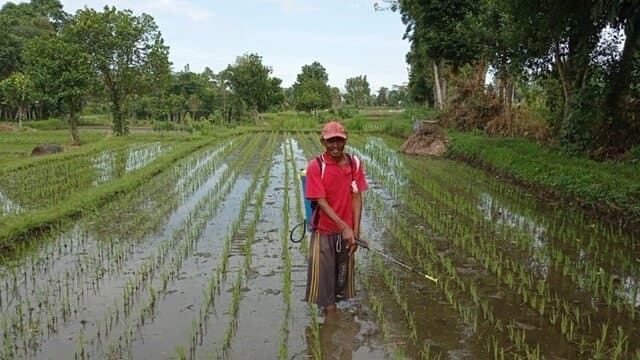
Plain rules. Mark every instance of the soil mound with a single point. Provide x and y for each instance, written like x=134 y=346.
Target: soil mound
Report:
x=428 y=139
x=47 y=149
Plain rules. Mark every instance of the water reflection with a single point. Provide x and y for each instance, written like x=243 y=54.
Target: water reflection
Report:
x=337 y=337
x=8 y=206
x=111 y=164
x=501 y=215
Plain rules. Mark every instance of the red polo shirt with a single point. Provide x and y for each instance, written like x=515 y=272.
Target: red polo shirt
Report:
x=335 y=187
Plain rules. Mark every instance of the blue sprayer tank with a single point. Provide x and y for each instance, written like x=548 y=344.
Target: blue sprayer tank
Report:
x=307 y=203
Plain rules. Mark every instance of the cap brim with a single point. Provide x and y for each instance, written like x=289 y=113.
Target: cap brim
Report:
x=332 y=135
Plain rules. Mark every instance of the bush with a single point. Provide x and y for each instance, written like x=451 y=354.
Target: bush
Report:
x=163 y=126
x=342 y=112
x=202 y=126
x=356 y=124
x=398 y=128
x=633 y=155
x=49 y=124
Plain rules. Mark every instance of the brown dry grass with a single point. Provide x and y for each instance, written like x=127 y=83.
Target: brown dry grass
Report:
x=6 y=127
x=519 y=123
x=474 y=110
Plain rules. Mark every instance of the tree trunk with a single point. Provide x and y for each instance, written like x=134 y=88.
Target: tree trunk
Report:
x=562 y=73
x=614 y=131
x=73 y=120
x=438 y=89
x=119 y=125
x=480 y=74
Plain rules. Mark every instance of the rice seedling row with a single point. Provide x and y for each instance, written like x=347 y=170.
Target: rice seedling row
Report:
x=470 y=313
x=521 y=271
x=466 y=313
x=287 y=150
x=179 y=250
x=67 y=276
x=239 y=228
x=54 y=181
x=44 y=259
x=518 y=273
x=182 y=253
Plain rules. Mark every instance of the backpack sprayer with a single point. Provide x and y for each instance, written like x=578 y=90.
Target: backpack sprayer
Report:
x=307 y=225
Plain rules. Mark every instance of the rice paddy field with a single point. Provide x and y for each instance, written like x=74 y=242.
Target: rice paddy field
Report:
x=179 y=248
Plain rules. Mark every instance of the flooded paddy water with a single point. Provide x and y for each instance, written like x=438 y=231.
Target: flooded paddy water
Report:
x=198 y=263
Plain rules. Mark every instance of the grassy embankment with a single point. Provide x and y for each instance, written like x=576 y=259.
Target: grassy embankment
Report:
x=612 y=188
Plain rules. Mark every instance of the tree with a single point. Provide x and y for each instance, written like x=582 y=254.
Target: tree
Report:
x=311 y=90
x=336 y=97
x=126 y=51
x=358 y=91
x=17 y=92
x=616 y=129
x=445 y=35
x=61 y=72
x=398 y=96
x=275 y=97
x=382 y=97
x=250 y=80
x=21 y=23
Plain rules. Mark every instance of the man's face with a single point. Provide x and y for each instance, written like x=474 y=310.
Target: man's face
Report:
x=335 y=146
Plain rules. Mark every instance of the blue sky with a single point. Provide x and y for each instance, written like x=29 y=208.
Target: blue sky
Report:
x=347 y=37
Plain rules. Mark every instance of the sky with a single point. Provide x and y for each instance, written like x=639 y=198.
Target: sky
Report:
x=347 y=37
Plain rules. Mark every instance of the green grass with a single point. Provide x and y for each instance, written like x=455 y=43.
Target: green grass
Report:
x=598 y=184
x=17 y=145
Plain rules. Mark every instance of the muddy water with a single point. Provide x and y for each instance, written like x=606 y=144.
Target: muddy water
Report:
x=198 y=264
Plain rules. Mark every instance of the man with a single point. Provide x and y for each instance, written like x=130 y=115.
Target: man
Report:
x=335 y=182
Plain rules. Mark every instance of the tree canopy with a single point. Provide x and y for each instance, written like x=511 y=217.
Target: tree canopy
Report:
x=311 y=90
x=126 y=51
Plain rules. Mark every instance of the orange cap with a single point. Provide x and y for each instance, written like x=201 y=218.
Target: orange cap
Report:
x=333 y=129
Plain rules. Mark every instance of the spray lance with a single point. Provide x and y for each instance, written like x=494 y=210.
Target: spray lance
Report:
x=306 y=225
x=365 y=245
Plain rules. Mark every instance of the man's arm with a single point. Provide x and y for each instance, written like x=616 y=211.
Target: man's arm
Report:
x=347 y=232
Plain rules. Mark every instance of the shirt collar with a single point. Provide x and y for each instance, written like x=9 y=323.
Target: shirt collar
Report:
x=327 y=159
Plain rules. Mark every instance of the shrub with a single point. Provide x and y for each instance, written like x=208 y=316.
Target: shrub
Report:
x=49 y=124
x=163 y=126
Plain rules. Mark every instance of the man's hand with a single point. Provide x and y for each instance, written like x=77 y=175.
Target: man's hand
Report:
x=352 y=246
x=350 y=237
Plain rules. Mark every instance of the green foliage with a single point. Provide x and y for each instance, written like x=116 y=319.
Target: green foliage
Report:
x=397 y=128
x=358 y=91
x=250 y=80
x=48 y=124
x=62 y=74
x=576 y=133
x=163 y=126
x=311 y=91
x=204 y=127
x=126 y=51
x=593 y=183
x=633 y=155
x=18 y=226
x=17 y=91
x=21 y=23
x=342 y=112
x=357 y=124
